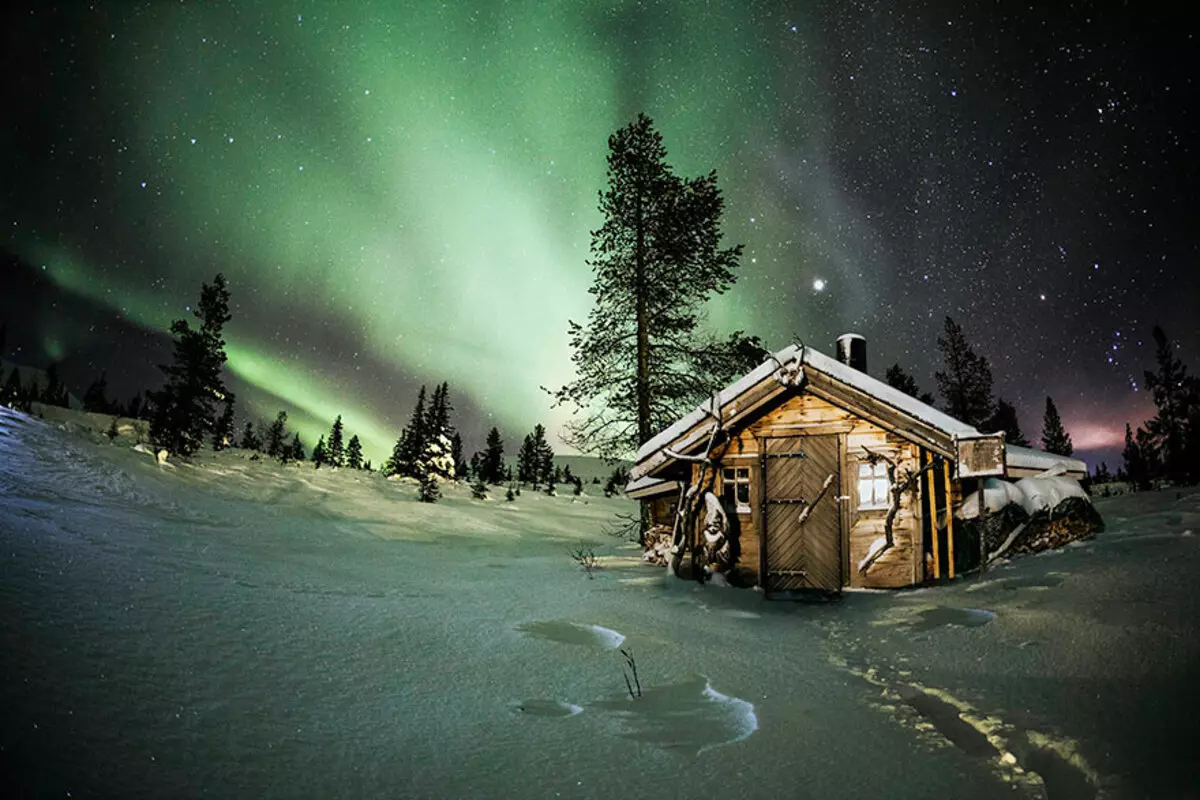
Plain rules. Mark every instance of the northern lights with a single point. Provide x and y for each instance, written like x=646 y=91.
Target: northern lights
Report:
x=402 y=193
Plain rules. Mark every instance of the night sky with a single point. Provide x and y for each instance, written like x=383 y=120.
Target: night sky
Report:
x=402 y=192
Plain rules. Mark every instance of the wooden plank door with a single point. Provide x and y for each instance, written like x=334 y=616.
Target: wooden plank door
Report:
x=802 y=537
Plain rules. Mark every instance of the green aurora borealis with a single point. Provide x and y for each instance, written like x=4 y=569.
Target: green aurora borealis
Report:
x=402 y=192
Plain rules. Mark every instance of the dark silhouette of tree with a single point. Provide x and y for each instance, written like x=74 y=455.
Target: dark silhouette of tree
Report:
x=3 y=338
x=12 y=395
x=456 y=455
x=1055 y=438
x=183 y=408
x=319 y=455
x=276 y=438
x=134 y=409
x=354 y=453
x=492 y=463
x=527 y=461
x=335 y=445
x=1136 y=469
x=479 y=489
x=223 y=431
x=1005 y=419
x=95 y=397
x=897 y=378
x=250 y=440
x=55 y=393
x=966 y=383
x=297 y=448
x=411 y=443
x=1177 y=400
x=641 y=361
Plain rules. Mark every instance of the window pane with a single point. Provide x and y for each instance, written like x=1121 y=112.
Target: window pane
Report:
x=743 y=473
x=728 y=474
x=881 y=490
x=743 y=494
x=864 y=470
x=864 y=492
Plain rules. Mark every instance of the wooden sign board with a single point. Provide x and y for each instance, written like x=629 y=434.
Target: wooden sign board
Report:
x=981 y=456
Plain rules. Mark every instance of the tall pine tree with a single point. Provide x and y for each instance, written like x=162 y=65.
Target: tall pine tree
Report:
x=1177 y=400
x=354 y=454
x=897 y=378
x=319 y=454
x=1055 y=438
x=250 y=440
x=96 y=396
x=1005 y=419
x=297 y=448
x=966 y=383
x=335 y=446
x=492 y=464
x=183 y=408
x=642 y=360
x=277 y=435
x=223 y=431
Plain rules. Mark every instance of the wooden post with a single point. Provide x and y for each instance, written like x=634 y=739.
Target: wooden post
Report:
x=982 y=532
x=933 y=521
x=949 y=516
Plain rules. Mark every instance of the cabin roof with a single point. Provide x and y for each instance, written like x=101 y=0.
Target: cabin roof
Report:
x=682 y=433
x=1028 y=461
x=646 y=487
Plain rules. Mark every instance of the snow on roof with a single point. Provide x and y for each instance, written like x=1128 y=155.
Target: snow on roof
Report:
x=1028 y=458
x=829 y=366
x=647 y=486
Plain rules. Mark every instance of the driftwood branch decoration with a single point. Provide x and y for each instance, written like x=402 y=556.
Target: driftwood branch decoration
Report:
x=808 y=509
x=898 y=488
x=693 y=496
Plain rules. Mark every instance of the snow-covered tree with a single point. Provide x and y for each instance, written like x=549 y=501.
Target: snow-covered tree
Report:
x=223 y=431
x=354 y=454
x=643 y=360
x=1055 y=438
x=966 y=383
x=335 y=446
x=183 y=408
x=433 y=462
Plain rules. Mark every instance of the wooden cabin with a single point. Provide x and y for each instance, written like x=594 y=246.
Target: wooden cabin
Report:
x=807 y=453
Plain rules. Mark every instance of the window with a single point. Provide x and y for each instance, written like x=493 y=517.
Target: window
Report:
x=736 y=489
x=873 y=488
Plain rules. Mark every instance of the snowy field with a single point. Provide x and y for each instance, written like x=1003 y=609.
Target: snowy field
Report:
x=239 y=629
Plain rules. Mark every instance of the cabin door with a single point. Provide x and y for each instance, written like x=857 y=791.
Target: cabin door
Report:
x=802 y=537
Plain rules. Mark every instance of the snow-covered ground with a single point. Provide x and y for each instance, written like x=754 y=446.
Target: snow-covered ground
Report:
x=237 y=628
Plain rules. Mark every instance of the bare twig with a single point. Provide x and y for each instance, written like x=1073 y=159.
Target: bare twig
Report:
x=636 y=684
x=586 y=558
x=808 y=509
x=897 y=489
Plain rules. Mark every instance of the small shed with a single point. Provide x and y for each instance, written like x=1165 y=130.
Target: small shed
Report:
x=828 y=477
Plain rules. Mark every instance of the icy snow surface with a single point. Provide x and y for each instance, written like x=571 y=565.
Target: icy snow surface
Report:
x=240 y=629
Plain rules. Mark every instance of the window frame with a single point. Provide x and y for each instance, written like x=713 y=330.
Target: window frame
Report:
x=873 y=475
x=740 y=477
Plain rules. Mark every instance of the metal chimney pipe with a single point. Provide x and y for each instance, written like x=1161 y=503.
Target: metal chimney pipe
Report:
x=852 y=351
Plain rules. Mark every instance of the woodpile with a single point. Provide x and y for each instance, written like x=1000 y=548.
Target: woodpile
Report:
x=658 y=545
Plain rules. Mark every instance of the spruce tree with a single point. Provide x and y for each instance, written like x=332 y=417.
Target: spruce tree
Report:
x=897 y=378
x=1005 y=419
x=183 y=408
x=223 y=431
x=276 y=437
x=95 y=397
x=134 y=409
x=1055 y=438
x=413 y=439
x=335 y=447
x=250 y=440
x=642 y=360
x=479 y=489
x=492 y=463
x=456 y=455
x=509 y=495
x=527 y=463
x=1135 y=464
x=55 y=393
x=966 y=384
x=1177 y=400
x=395 y=463
x=543 y=456
x=354 y=454
x=427 y=471
x=319 y=455
x=297 y=448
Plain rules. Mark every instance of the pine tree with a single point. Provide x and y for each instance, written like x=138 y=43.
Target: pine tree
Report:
x=134 y=409
x=250 y=440
x=277 y=435
x=297 y=448
x=183 y=408
x=354 y=454
x=55 y=393
x=427 y=468
x=578 y=490
x=1177 y=400
x=1135 y=464
x=1055 y=438
x=95 y=399
x=509 y=495
x=413 y=440
x=456 y=455
x=567 y=477
x=543 y=456
x=1005 y=419
x=897 y=378
x=527 y=463
x=223 y=431
x=437 y=428
x=492 y=463
x=642 y=360
x=319 y=455
x=966 y=385
x=335 y=447
x=367 y=466
x=395 y=465
x=479 y=489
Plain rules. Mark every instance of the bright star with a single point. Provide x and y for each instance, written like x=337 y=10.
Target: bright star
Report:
x=818 y=284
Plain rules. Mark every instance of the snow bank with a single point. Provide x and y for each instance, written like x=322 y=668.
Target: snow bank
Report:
x=1031 y=494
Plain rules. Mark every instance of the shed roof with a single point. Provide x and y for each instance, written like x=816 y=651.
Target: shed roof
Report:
x=840 y=374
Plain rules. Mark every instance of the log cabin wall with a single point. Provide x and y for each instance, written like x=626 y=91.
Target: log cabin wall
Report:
x=805 y=414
